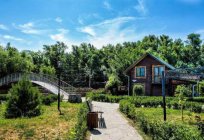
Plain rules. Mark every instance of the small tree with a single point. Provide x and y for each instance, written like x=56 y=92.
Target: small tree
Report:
x=138 y=89
x=181 y=90
x=24 y=100
x=113 y=83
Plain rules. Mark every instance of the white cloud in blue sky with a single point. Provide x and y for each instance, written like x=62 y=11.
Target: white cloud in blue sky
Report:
x=141 y=7
x=3 y=27
x=107 y=5
x=35 y=22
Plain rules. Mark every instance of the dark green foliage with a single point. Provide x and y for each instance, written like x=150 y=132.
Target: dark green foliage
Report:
x=99 y=95
x=85 y=65
x=79 y=131
x=196 y=99
x=24 y=100
x=48 y=99
x=3 y=97
x=75 y=98
x=159 y=130
x=138 y=89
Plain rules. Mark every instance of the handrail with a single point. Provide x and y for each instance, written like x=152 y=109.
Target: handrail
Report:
x=14 y=77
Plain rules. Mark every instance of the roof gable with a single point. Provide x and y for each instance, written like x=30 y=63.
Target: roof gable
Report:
x=154 y=57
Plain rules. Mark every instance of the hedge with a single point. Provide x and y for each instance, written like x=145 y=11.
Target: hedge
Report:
x=196 y=99
x=148 y=101
x=159 y=130
x=48 y=99
x=3 y=97
x=79 y=131
x=105 y=97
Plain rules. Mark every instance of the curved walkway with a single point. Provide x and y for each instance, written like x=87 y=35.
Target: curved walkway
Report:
x=117 y=127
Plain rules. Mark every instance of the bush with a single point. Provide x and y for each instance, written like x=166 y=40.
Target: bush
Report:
x=3 y=97
x=196 y=99
x=159 y=130
x=138 y=89
x=24 y=100
x=146 y=101
x=79 y=131
x=182 y=89
x=113 y=83
x=75 y=98
x=98 y=96
x=48 y=99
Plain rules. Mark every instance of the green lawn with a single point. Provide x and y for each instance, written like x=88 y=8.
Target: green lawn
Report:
x=172 y=115
x=49 y=125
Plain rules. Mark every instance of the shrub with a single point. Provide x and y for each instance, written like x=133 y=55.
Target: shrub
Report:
x=159 y=130
x=3 y=97
x=24 y=100
x=48 y=99
x=75 y=98
x=113 y=83
x=196 y=99
x=147 y=101
x=79 y=131
x=97 y=96
x=138 y=89
x=182 y=89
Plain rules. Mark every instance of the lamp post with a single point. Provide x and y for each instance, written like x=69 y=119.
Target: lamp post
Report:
x=164 y=95
x=59 y=74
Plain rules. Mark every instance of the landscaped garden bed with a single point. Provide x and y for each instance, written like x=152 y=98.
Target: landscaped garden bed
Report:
x=49 y=125
x=147 y=113
x=151 y=122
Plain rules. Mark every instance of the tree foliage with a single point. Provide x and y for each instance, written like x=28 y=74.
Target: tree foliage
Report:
x=24 y=100
x=86 y=65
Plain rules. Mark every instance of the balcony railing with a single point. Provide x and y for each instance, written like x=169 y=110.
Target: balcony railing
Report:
x=157 y=79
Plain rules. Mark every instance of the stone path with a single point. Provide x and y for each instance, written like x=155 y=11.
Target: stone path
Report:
x=117 y=127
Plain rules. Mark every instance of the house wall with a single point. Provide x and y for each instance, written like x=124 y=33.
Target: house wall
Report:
x=150 y=88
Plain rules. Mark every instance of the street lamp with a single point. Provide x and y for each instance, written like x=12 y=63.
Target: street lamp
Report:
x=163 y=94
x=59 y=73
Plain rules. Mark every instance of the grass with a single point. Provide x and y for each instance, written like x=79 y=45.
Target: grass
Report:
x=173 y=116
x=49 y=125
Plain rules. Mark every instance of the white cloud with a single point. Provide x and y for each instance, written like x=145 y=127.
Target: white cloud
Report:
x=110 y=31
x=140 y=7
x=88 y=30
x=8 y=37
x=107 y=5
x=29 y=28
x=62 y=36
x=58 y=19
x=3 y=27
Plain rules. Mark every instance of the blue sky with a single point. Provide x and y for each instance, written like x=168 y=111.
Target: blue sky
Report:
x=29 y=24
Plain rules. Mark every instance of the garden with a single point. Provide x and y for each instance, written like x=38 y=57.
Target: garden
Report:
x=185 y=118
x=27 y=114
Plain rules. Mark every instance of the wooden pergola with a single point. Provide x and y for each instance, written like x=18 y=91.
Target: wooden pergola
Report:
x=190 y=75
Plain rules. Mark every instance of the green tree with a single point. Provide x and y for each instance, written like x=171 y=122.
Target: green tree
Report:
x=24 y=100
x=181 y=92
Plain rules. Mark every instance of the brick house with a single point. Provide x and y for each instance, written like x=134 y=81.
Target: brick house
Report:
x=147 y=72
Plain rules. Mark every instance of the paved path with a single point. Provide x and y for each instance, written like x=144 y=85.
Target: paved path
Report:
x=117 y=127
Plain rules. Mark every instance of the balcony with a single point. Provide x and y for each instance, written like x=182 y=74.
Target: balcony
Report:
x=157 y=80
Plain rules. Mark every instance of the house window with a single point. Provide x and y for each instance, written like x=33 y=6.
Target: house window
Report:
x=158 y=73
x=140 y=71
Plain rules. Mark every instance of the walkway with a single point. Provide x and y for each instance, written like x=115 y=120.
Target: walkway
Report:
x=117 y=127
